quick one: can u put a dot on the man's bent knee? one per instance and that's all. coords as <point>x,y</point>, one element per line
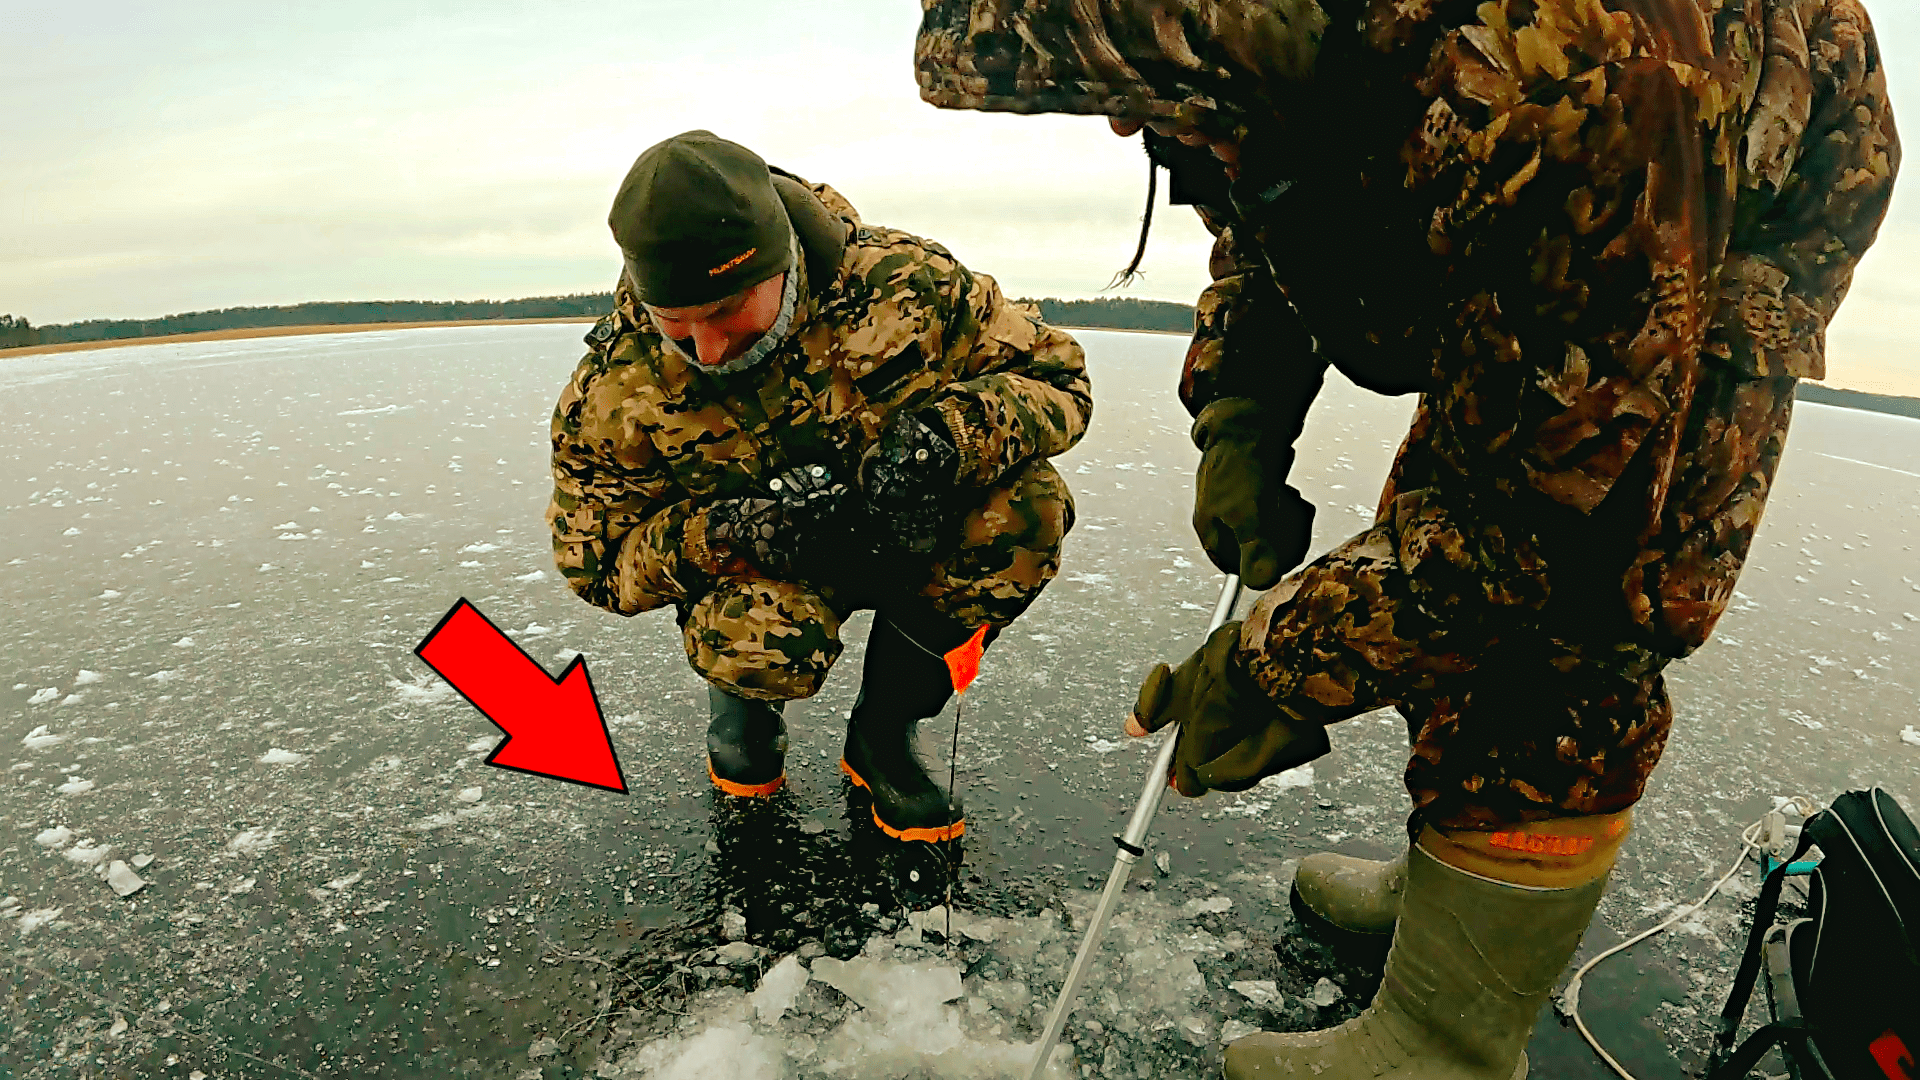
<point>762,640</point>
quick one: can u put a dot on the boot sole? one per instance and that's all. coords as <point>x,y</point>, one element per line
<point>745,791</point>
<point>936,835</point>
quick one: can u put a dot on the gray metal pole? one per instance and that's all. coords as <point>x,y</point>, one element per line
<point>1131,848</point>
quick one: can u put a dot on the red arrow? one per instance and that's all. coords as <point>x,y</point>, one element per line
<point>553,726</point>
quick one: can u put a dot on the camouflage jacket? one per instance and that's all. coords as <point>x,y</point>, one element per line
<point>1579,226</point>
<point>643,439</point>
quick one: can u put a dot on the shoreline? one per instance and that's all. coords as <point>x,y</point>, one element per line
<point>241,333</point>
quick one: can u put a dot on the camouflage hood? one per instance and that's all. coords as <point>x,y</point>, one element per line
<point>1207,62</point>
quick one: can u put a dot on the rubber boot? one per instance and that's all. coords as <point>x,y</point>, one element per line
<point>746,745</point>
<point>1361,896</point>
<point>1472,963</point>
<point>901,684</point>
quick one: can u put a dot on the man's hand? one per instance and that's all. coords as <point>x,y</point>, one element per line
<point>910,478</point>
<point>1232,735</point>
<point>1248,519</point>
<point>803,511</point>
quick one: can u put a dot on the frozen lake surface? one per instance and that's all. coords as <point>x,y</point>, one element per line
<point>216,559</point>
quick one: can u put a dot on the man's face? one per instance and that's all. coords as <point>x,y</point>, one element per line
<point>724,329</point>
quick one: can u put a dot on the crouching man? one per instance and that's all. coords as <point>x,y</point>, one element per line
<point>790,416</point>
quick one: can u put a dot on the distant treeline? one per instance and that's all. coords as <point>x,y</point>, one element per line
<point>1118,314</point>
<point>1856,399</point>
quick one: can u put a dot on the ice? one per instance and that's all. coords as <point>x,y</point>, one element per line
<point>72,698</point>
<point>470,564</point>
<point>40,737</point>
<point>1258,991</point>
<point>1163,862</point>
<point>1324,993</point>
<point>123,880</point>
<point>71,532</point>
<point>778,989</point>
<point>481,548</point>
<point>162,676</point>
<point>252,841</point>
<point>470,795</point>
<point>82,855</point>
<point>54,837</point>
<point>266,566</point>
<point>1104,746</point>
<point>141,862</point>
<point>75,786</point>
<point>545,1047</point>
<point>277,756</point>
<point>731,1050</point>
<point>1210,905</point>
<point>44,695</point>
<point>288,524</point>
<point>1909,736</point>
<point>396,516</point>
<point>184,643</point>
<point>1164,981</point>
<point>1298,777</point>
<point>1234,1030</point>
<point>86,677</point>
<point>486,743</point>
<point>534,576</point>
<point>423,690</point>
<point>34,920</point>
<point>534,630</point>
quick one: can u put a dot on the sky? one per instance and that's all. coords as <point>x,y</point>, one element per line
<point>161,157</point>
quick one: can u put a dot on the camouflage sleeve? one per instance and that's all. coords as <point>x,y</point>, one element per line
<point>620,524</point>
<point>1821,157</point>
<point>1248,340</point>
<point>1025,394</point>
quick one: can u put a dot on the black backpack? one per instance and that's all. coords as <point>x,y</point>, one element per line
<point>1844,982</point>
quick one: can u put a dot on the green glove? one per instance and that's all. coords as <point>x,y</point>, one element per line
<point>1232,735</point>
<point>1248,520</point>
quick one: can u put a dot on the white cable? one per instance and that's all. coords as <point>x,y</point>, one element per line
<point>1803,806</point>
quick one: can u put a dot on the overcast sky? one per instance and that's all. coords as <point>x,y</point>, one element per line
<point>162,157</point>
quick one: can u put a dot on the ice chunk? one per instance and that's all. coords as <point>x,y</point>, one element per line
<point>881,987</point>
<point>71,531</point>
<point>123,880</point>
<point>1234,1030</point>
<point>277,756</point>
<point>34,920</point>
<point>1258,991</point>
<point>423,690</point>
<point>141,862</point>
<point>185,642</point>
<point>82,855</point>
<point>396,516</point>
<point>75,786</point>
<point>252,841</point>
<point>86,677</point>
<point>778,988</point>
<point>732,1050</point>
<point>1909,736</point>
<point>266,566</point>
<point>289,524</point>
<point>533,630</point>
<point>484,743</point>
<point>42,696</point>
<point>162,676</point>
<point>54,837</point>
<point>1166,983</point>
<point>1163,862</point>
<point>1209,905</point>
<point>1325,993</point>
<point>470,795</point>
<point>534,576</point>
<point>481,548</point>
<point>40,737</point>
<point>470,564</point>
<point>545,1047</point>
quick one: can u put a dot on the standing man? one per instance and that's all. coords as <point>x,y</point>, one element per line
<point>1603,239</point>
<point>790,416</point>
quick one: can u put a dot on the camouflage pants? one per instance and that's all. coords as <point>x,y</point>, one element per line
<point>776,640</point>
<point>1508,721</point>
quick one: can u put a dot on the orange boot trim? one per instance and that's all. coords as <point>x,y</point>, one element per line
<point>1559,853</point>
<point>745,790</point>
<point>931,836</point>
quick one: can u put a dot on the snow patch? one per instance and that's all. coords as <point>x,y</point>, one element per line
<point>277,756</point>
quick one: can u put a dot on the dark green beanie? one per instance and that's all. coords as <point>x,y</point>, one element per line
<point>698,220</point>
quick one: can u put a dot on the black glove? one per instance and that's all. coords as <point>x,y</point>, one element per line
<point>1248,519</point>
<point>911,480</point>
<point>1232,735</point>
<point>804,511</point>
